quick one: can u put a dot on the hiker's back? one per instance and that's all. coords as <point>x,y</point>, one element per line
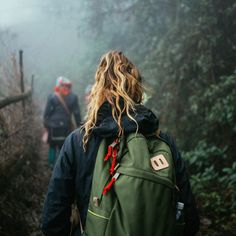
<point>139,197</point>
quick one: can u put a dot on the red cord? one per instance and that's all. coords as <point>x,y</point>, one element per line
<point>109,153</point>
<point>113,163</point>
<point>108,186</point>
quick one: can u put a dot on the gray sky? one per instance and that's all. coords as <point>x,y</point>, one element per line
<point>50,42</point>
<point>17,12</point>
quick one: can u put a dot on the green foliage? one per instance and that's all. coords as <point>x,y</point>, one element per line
<point>194,80</point>
<point>222,96</point>
<point>205,155</point>
<point>214,186</point>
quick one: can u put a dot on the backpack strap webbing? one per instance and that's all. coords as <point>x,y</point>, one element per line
<point>61,100</point>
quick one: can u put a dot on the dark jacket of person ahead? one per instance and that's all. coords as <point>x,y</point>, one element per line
<point>57,119</point>
<point>72,175</point>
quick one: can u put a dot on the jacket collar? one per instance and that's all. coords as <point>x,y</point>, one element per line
<point>107,127</point>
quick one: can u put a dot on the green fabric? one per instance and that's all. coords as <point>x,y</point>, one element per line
<point>142,202</point>
<point>53,153</point>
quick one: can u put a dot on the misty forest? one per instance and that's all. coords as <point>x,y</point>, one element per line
<point>186,53</point>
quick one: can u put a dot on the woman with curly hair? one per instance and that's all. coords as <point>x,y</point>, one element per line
<point>114,110</point>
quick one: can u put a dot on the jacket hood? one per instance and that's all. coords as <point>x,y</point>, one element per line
<point>107,127</point>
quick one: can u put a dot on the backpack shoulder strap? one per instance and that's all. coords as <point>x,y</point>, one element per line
<point>63,103</point>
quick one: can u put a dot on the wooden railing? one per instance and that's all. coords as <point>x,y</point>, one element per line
<point>14,99</point>
<point>24,94</point>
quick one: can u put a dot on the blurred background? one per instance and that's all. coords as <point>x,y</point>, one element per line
<point>186,53</point>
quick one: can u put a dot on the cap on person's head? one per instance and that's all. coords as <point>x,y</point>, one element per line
<point>63,81</point>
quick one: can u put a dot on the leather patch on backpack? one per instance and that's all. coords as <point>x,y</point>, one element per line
<point>159,162</point>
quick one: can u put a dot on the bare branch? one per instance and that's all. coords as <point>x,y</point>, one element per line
<point>14,99</point>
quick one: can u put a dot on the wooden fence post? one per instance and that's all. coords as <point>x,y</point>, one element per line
<point>22,85</point>
<point>32,84</point>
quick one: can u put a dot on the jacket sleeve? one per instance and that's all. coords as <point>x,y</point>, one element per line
<point>60,194</point>
<point>186,196</point>
<point>76,111</point>
<point>48,111</point>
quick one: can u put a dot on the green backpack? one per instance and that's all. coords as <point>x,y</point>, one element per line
<point>134,189</point>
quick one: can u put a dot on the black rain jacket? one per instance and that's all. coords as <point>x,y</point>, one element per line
<point>72,174</point>
<point>57,120</point>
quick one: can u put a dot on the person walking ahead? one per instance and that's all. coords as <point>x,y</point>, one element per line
<point>92,172</point>
<point>61,106</point>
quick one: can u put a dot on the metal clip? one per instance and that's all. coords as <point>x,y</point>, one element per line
<point>113,144</point>
<point>96,201</point>
<point>116,175</point>
<point>117,165</point>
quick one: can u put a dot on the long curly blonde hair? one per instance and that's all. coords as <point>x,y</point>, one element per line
<point>116,79</point>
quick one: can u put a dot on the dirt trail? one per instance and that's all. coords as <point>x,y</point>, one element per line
<point>41,179</point>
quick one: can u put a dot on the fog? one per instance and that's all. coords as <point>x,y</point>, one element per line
<point>68,38</point>
<point>49,39</point>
